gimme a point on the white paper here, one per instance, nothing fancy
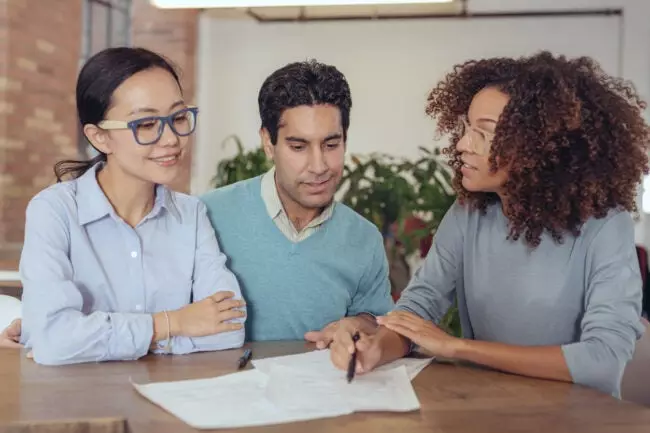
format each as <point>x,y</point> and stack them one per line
<point>305,391</point>
<point>234,400</point>
<point>319,361</point>
<point>286,389</point>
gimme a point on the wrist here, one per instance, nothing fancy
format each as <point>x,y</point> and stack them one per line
<point>175,323</point>
<point>460,348</point>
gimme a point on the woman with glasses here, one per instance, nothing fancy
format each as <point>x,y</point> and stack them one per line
<point>114,263</point>
<point>539,250</point>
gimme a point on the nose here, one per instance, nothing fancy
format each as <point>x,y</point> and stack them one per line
<point>464,144</point>
<point>168,138</point>
<point>317,163</point>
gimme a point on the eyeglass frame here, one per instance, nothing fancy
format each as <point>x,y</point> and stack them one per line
<point>489,137</point>
<point>111,125</point>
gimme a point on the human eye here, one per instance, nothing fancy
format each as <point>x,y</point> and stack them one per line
<point>181,118</point>
<point>147,124</point>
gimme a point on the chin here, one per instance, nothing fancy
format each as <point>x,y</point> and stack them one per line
<point>316,202</point>
<point>165,178</point>
<point>469,185</point>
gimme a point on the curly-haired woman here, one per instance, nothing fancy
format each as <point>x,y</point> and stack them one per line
<point>539,247</point>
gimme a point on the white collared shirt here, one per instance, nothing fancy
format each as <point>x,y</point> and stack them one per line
<point>279,216</point>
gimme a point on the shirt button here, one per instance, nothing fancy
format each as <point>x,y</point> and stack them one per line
<point>138,307</point>
<point>134,254</point>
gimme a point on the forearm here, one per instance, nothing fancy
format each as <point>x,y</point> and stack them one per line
<point>544,362</point>
<point>181,344</point>
<point>71,337</point>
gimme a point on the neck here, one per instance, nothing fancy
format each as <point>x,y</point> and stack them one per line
<point>132,199</point>
<point>299,215</point>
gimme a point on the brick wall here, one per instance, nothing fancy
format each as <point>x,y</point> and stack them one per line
<point>40,48</point>
<point>39,56</point>
<point>172,33</point>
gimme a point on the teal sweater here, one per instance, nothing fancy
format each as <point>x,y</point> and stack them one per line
<point>291,288</point>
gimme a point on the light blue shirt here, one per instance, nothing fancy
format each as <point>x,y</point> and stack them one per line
<point>91,282</point>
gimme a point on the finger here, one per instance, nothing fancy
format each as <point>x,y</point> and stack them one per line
<point>222,296</point>
<point>406,316</point>
<point>364,343</point>
<point>30,355</point>
<point>230,304</point>
<point>228,327</point>
<point>10,344</point>
<point>406,332</point>
<point>340,356</point>
<point>399,321</point>
<point>224,316</point>
<point>314,336</point>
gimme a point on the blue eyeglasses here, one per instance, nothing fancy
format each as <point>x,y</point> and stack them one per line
<point>148,130</point>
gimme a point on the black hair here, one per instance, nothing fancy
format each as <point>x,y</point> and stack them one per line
<point>100,76</point>
<point>303,83</point>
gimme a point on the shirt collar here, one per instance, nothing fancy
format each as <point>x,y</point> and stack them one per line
<point>274,206</point>
<point>93,205</point>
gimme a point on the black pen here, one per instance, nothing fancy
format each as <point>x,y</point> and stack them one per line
<point>353,360</point>
<point>243,360</point>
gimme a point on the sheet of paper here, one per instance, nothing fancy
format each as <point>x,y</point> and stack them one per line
<point>234,400</point>
<point>319,361</point>
<point>307,391</point>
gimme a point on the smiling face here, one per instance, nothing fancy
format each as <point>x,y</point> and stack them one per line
<point>474,146</point>
<point>152,92</point>
<point>308,156</point>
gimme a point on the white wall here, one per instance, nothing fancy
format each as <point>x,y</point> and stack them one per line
<point>391,65</point>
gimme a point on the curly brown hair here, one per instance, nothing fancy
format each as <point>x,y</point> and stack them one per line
<point>573,140</point>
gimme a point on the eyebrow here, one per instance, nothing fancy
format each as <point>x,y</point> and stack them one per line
<point>297,140</point>
<point>335,136</point>
<point>153,110</point>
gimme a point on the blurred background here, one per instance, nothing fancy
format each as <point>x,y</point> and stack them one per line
<point>392,55</point>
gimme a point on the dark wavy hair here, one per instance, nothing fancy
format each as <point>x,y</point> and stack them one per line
<point>303,83</point>
<point>573,140</point>
<point>100,76</point>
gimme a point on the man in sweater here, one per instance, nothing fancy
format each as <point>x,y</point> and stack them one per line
<point>304,261</point>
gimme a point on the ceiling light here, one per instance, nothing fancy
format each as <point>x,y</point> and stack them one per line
<point>201,4</point>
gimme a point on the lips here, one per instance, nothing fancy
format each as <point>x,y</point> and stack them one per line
<point>468,166</point>
<point>317,186</point>
<point>166,160</point>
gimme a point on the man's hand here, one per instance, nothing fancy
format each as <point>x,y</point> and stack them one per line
<point>323,338</point>
<point>421,332</point>
<point>10,336</point>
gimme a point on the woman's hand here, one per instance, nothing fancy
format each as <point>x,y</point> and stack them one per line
<point>208,317</point>
<point>421,332</point>
<point>10,336</point>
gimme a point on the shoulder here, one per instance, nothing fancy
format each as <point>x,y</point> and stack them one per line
<point>615,227</point>
<point>59,198</point>
<point>230,193</point>
<point>187,205</point>
<point>357,228</point>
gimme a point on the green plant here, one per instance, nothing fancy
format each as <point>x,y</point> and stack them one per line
<point>244,165</point>
<point>388,191</point>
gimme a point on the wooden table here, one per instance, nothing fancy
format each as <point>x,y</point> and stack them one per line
<point>454,398</point>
